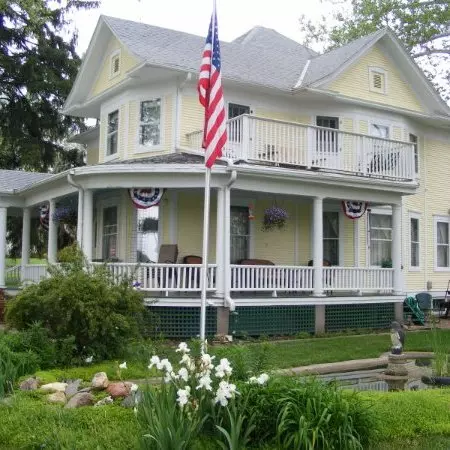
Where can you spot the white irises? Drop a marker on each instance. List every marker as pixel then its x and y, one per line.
pixel 183 396
pixel 224 368
pixel 224 392
pixel 262 379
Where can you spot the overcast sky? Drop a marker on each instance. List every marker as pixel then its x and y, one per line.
pixel 235 17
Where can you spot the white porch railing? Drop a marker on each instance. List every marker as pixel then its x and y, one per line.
pixel 165 277
pixel 33 273
pixel 358 279
pixel 276 142
pixel 12 275
pixel 271 278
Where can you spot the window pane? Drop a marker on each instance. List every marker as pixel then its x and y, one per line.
pixel 150 116
pixel 110 232
pixel 380 251
pixel 442 256
pixel 379 131
pixel 147 234
pixel 149 135
pixel 442 233
pixel 331 251
pixel 235 110
pixel 113 121
pixel 414 230
pixel 331 225
pixel 151 111
pixel 380 238
pixel 414 254
pixel 240 234
pixel 112 144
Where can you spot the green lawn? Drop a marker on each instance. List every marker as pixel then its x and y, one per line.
pixel 11 262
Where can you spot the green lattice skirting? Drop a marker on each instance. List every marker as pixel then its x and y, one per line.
pixel 372 315
pixel 271 320
pixel 174 322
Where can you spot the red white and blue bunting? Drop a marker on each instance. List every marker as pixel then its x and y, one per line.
pixel 44 211
pixel 144 198
pixel 354 210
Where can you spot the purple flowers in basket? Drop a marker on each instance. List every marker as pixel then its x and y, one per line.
pixel 274 217
pixel 64 214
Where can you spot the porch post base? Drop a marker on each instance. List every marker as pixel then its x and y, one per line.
pixel 223 320
pixel 319 294
pixel 398 312
pixel 319 326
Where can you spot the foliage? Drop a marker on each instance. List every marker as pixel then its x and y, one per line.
pixel 274 217
pixel 29 423
pixel 100 312
pixel 307 413
pixel 421 25
pixel 38 64
pixel 441 366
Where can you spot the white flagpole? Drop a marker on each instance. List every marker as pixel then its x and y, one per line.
pixel 204 275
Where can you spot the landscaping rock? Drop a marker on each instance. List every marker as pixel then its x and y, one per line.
pixel 57 397
pixel 104 401
pixel 80 399
pixel 121 389
pixel 54 387
pixel 86 389
pixel 72 388
pixel 30 384
pixel 100 381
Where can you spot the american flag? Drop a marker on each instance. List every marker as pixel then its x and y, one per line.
pixel 211 97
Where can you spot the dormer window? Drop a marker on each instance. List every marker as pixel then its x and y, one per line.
pixel 115 64
pixel 377 80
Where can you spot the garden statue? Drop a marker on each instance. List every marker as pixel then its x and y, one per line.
pixel 397 338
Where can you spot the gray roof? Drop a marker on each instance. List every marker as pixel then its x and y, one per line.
pixel 11 180
pixel 172 158
pixel 326 64
pixel 261 56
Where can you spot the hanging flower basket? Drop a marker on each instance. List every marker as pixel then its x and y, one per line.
pixel 274 217
pixel 65 215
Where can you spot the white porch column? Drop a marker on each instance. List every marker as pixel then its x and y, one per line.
pixel 318 246
pixel 26 227
pixel 80 218
pixel 397 248
pixel 52 247
pixel 220 241
pixel 88 219
pixel 3 214
pixel 226 242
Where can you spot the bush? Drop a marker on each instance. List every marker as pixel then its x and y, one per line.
pixel 99 312
pixel 307 414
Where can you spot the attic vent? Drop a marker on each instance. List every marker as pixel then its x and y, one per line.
pixel 377 79
pixel 115 64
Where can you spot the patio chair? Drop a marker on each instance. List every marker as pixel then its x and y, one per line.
pixel 425 304
pixel 195 275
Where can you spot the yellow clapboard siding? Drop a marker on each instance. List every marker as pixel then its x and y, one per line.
pixel 354 82
pixel 192 116
pixel 92 155
pixel 104 80
pixel 348 241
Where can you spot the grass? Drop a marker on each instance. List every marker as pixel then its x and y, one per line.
pixel 281 354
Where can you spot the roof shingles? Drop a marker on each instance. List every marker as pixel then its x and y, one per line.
pixel 13 180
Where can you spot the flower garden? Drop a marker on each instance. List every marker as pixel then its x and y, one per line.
pixel 81 367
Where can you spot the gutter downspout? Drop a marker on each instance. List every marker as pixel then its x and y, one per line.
pixel 227 297
pixel 180 87
pixel 80 218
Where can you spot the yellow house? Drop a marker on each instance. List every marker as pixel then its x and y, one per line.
pixel 329 204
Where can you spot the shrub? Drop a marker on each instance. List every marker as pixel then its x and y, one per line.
pixel 100 312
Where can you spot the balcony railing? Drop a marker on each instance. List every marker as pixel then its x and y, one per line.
pixel 279 143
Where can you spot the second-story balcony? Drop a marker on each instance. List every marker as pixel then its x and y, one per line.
pixel 289 144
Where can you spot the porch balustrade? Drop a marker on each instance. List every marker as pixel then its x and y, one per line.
pixel 275 142
pixel 179 278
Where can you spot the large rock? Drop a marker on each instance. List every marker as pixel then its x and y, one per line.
pixel 57 397
pixel 72 388
pixel 100 381
pixel 54 387
pixel 80 399
pixel 120 389
pixel 30 384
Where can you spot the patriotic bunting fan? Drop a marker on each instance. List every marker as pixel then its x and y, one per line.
pixel 44 216
pixel 144 198
pixel 354 210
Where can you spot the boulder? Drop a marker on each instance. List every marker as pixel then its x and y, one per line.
pixel 54 387
pixel 72 388
pixel 104 401
pixel 120 389
pixel 30 384
pixel 80 399
pixel 100 381
pixel 57 397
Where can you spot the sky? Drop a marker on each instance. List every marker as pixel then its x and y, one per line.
pixel 235 17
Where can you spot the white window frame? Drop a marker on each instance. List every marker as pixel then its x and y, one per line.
pixel 114 56
pixel 418 217
pixel 378 71
pixel 109 157
pixel 415 152
pixel 436 219
pixel 376 211
pixel 142 148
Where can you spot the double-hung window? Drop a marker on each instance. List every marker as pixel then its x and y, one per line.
pixel 414 260
pixel 442 242
pixel 331 237
pixel 110 233
pixel 150 123
pixel 112 133
pixel 413 139
pixel 380 239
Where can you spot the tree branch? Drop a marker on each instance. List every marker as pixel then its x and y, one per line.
pixel 429 52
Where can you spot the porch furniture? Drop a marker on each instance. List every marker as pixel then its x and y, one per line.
pixel 195 275
pixel 255 262
pixel 168 254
